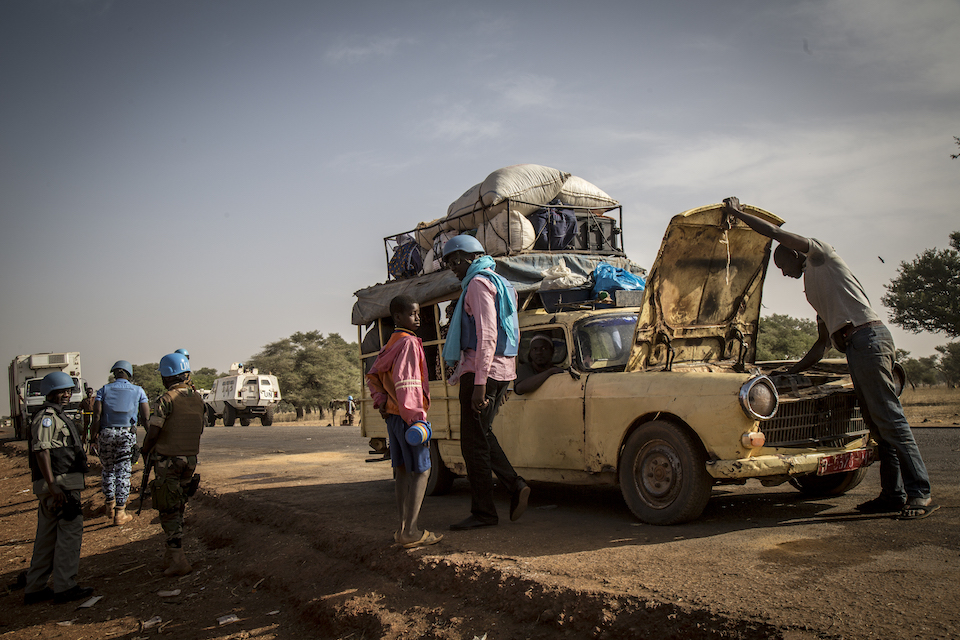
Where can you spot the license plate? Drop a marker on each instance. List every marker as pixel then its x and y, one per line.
pixel 842 462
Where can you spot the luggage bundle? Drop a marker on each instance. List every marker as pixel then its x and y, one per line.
pixel 516 209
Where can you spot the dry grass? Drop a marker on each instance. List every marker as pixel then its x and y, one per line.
pixel 931 406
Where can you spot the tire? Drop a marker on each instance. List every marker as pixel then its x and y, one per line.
pixel 663 475
pixel 835 484
pixel 229 415
pixel 267 418
pixel 244 422
pixel 211 416
pixel 441 479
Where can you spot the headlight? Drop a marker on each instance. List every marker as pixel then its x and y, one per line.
pixel 759 399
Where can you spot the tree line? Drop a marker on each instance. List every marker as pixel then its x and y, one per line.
pixel 312 370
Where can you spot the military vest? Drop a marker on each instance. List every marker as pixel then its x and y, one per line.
pixel 180 435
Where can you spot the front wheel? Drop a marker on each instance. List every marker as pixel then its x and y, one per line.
pixel 211 416
pixel 441 479
pixel 663 475
pixel 835 484
pixel 267 418
pixel 229 415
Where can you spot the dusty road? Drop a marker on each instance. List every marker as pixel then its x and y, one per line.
pixel 308 521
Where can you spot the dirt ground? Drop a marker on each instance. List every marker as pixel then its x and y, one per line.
pixel 301 564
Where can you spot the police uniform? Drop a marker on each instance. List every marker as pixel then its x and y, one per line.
pixel 56 550
pixel 120 401
pixel 179 416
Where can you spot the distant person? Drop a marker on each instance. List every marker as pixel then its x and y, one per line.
pixel 845 318
pixel 86 411
pixel 531 376
pixel 57 466
pixel 118 406
pixel 400 387
pixel 482 344
pixel 172 444
pixel 184 353
pixel 350 409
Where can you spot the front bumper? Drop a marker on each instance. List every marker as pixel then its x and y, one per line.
pixel 775 465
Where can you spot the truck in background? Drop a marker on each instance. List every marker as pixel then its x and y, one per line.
pixel 25 374
pixel 244 394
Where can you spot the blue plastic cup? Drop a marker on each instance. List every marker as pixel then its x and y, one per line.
pixel 418 433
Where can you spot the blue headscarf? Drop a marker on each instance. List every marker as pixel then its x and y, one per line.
pixel 506 307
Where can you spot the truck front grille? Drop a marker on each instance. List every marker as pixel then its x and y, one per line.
pixel 833 420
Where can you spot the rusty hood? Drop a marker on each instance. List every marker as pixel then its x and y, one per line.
pixel 702 298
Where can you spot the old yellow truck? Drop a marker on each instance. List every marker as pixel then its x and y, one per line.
pixel 663 398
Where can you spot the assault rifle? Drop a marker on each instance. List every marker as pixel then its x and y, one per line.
pixel 145 483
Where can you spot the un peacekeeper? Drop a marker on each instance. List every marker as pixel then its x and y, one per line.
pixel 57 465
pixel 118 407
pixel 172 444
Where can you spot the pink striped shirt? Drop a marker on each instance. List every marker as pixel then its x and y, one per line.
pixel 481 303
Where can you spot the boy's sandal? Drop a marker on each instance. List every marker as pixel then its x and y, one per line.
pixel 427 538
pixel 917 512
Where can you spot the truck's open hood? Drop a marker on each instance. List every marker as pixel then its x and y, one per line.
pixel 702 299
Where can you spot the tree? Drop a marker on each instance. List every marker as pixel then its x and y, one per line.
pixel 782 337
pixel 312 370
pixel 956 155
pixel 925 294
pixel 922 371
pixel 203 378
pixel 148 377
pixel 949 364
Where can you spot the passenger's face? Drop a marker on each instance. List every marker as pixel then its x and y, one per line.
pixel 541 354
pixel 409 319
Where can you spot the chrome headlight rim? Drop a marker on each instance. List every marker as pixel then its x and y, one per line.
pixel 748 387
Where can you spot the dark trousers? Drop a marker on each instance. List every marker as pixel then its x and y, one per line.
pixel 481 449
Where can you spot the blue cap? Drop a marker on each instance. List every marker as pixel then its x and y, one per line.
pixel 124 365
pixel 465 243
pixel 173 364
pixel 55 381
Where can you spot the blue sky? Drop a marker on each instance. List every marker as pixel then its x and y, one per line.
pixel 218 175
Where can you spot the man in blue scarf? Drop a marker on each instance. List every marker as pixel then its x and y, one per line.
pixel 482 344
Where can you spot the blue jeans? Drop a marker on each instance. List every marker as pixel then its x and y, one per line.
pixel 870 357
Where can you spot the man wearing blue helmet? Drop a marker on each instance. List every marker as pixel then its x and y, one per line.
pixel 172 443
pixel 482 344
pixel 57 465
pixel 117 408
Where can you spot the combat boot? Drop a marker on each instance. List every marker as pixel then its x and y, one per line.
pixel 120 516
pixel 178 563
pixel 167 557
pixel 109 507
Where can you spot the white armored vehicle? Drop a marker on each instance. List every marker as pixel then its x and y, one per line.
pixel 245 394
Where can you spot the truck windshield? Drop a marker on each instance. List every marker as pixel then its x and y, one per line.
pixel 604 343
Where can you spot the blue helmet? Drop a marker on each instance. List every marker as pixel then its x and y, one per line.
pixel 173 364
pixel 124 365
pixel 465 243
pixel 183 352
pixel 55 381
pixel 349 397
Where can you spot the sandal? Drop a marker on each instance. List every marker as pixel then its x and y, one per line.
pixel 427 538
pixel 917 511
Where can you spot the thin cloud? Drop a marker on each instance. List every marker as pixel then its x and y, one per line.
pixel 459 125
pixel 374 48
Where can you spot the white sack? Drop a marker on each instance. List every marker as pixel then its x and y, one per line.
pixel 560 276
pixel 498 241
pixel 425 233
pixel 577 192
pixel 528 182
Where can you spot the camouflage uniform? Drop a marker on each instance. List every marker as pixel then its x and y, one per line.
pixel 179 414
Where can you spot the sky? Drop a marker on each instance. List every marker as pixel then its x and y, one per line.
pixel 216 175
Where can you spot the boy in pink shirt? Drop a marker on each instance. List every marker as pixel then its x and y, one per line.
pixel 400 390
